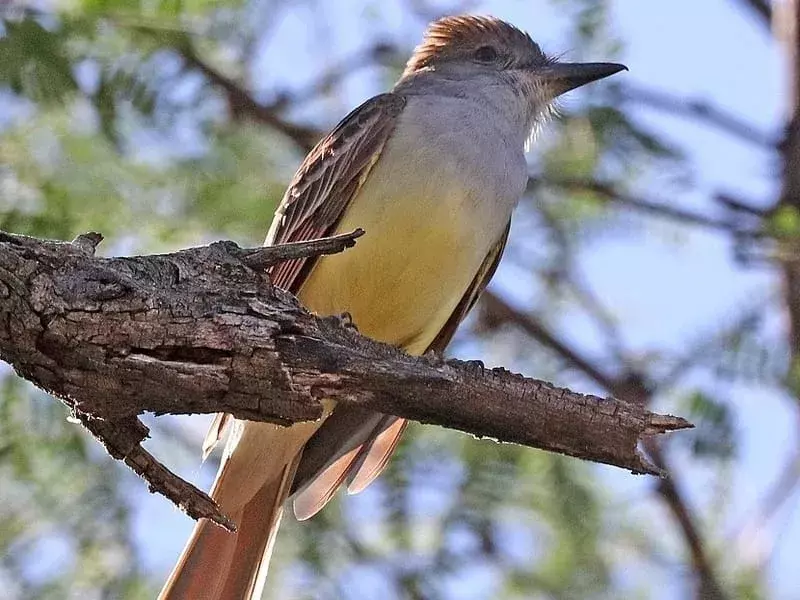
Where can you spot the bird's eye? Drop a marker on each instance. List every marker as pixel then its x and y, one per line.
pixel 486 54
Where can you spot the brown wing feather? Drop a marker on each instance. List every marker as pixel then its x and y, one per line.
pixel 328 179
pixel 320 191
pixel 375 456
pixel 322 489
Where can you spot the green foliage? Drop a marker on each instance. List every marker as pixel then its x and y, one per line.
pixel 92 95
pixel 162 9
pixel 785 222
pixel 34 62
pixel 628 142
pixel 63 182
pixel 58 489
pixel 714 435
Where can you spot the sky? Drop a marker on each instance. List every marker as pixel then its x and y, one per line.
pixel 666 289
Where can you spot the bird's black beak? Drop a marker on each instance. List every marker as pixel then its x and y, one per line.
pixel 563 77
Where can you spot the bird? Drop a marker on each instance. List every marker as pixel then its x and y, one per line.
pixel 431 171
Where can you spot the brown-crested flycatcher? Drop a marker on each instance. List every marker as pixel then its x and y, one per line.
pixel 431 171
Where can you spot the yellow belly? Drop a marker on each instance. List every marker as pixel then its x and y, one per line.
pixel 403 279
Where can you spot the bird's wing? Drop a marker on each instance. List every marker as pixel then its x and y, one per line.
pixel 329 178
pixel 318 195
pixel 342 451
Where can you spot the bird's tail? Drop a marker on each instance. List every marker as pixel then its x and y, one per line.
pixel 253 482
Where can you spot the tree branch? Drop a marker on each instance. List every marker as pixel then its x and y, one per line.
pixel 697 109
pixel 762 8
pixel 790 192
pixel 241 102
pixel 668 488
pixel 660 209
pixel 202 331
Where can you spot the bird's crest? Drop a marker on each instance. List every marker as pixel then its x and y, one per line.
pixel 449 34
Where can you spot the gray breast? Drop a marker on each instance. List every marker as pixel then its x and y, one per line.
pixel 463 143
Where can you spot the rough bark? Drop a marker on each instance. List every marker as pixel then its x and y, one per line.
pixel 203 330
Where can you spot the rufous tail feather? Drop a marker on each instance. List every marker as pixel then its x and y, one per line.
pixel 253 482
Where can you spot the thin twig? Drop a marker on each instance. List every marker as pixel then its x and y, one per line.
pixel 762 9
pixel 496 310
pixel 242 102
pixel 699 110
pixel 661 209
pixel 267 256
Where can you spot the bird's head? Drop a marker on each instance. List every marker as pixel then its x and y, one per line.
pixel 488 51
